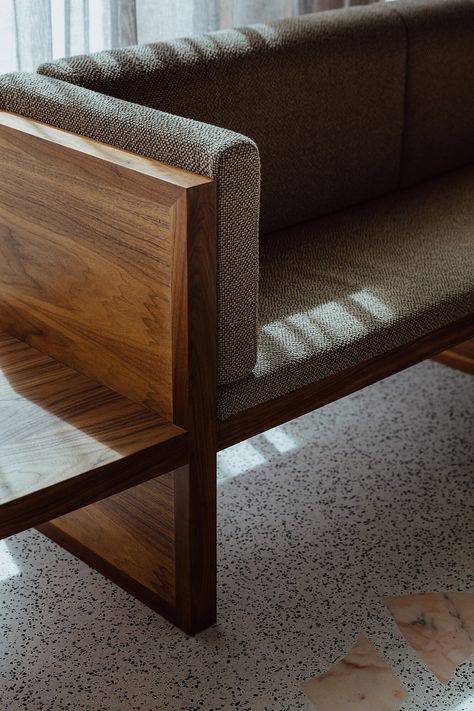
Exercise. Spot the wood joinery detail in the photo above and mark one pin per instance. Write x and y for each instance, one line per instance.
(91, 259)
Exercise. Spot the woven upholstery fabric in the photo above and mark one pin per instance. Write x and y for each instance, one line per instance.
(322, 96)
(211, 151)
(344, 288)
(439, 131)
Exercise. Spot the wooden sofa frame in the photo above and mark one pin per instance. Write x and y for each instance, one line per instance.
(108, 276)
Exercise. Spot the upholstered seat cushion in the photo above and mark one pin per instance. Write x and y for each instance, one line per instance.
(341, 289)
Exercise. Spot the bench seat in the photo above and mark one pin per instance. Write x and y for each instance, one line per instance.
(339, 290)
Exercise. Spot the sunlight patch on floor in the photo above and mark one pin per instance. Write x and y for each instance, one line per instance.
(8, 567)
(280, 440)
(238, 459)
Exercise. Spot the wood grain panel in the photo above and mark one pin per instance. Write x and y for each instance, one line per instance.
(129, 537)
(460, 357)
(275, 412)
(158, 544)
(87, 240)
(66, 441)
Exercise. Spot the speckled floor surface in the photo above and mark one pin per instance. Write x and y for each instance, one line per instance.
(319, 519)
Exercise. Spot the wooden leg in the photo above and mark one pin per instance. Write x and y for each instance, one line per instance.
(157, 541)
(196, 559)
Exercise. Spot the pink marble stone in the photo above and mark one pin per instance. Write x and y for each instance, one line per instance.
(439, 627)
(361, 681)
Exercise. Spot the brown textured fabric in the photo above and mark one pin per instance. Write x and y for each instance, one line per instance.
(321, 95)
(439, 131)
(217, 153)
(339, 290)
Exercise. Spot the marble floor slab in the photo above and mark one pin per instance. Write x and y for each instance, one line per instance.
(360, 681)
(439, 627)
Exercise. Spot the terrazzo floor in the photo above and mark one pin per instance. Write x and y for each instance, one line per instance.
(320, 519)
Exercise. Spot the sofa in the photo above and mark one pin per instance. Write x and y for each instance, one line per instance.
(231, 230)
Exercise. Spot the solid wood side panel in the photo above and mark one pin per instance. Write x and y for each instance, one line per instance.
(129, 537)
(196, 483)
(86, 257)
(460, 357)
(149, 541)
(275, 412)
(66, 441)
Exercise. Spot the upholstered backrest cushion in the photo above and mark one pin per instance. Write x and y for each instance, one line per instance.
(439, 130)
(322, 96)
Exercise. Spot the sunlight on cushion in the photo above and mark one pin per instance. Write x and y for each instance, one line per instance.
(371, 303)
(304, 332)
(328, 325)
(330, 314)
